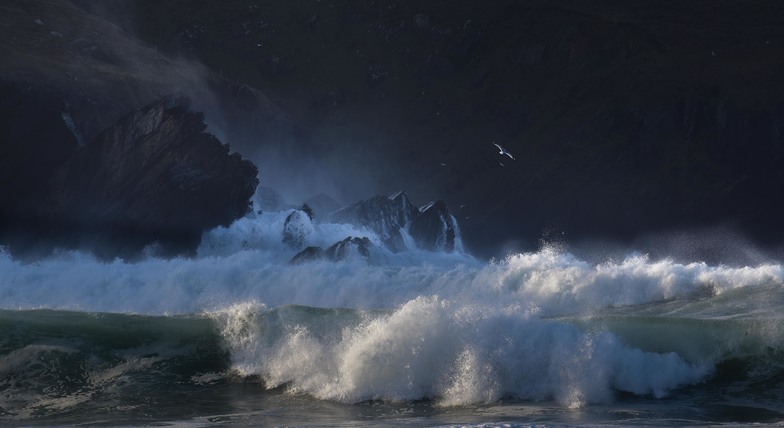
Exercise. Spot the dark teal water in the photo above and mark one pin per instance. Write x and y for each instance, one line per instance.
(237, 336)
(77, 368)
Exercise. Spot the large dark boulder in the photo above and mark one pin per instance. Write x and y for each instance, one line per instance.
(350, 248)
(384, 215)
(435, 228)
(309, 254)
(155, 176)
(297, 227)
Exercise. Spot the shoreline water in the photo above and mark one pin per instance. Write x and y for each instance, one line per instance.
(237, 336)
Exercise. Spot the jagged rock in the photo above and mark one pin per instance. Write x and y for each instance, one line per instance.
(155, 176)
(435, 228)
(394, 219)
(309, 254)
(297, 228)
(384, 215)
(350, 248)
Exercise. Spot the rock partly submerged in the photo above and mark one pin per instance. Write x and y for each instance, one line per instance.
(388, 216)
(309, 254)
(298, 227)
(435, 228)
(348, 249)
(397, 223)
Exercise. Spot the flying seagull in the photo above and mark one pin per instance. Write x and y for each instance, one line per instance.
(502, 151)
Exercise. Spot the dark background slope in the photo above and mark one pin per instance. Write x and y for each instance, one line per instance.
(625, 117)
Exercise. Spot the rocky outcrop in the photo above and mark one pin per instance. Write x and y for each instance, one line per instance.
(309, 254)
(401, 226)
(384, 215)
(155, 176)
(297, 227)
(351, 248)
(435, 228)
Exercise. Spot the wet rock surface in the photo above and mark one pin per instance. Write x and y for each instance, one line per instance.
(435, 228)
(297, 227)
(350, 248)
(385, 215)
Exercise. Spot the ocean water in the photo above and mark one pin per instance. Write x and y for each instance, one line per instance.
(236, 335)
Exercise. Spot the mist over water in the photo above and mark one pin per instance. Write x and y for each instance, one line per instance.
(678, 327)
(435, 325)
(248, 260)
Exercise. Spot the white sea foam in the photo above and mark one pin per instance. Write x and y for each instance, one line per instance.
(423, 324)
(248, 262)
(456, 354)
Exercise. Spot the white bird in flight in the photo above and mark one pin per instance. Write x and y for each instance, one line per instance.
(502, 151)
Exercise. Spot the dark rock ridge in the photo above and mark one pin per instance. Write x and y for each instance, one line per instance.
(351, 248)
(435, 228)
(153, 177)
(432, 227)
(385, 215)
(393, 218)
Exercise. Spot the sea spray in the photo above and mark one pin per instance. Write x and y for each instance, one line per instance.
(549, 283)
(430, 348)
(441, 326)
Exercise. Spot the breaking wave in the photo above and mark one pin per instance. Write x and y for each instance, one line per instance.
(443, 326)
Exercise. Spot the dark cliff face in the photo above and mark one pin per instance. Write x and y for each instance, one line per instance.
(434, 228)
(153, 177)
(625, 118)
